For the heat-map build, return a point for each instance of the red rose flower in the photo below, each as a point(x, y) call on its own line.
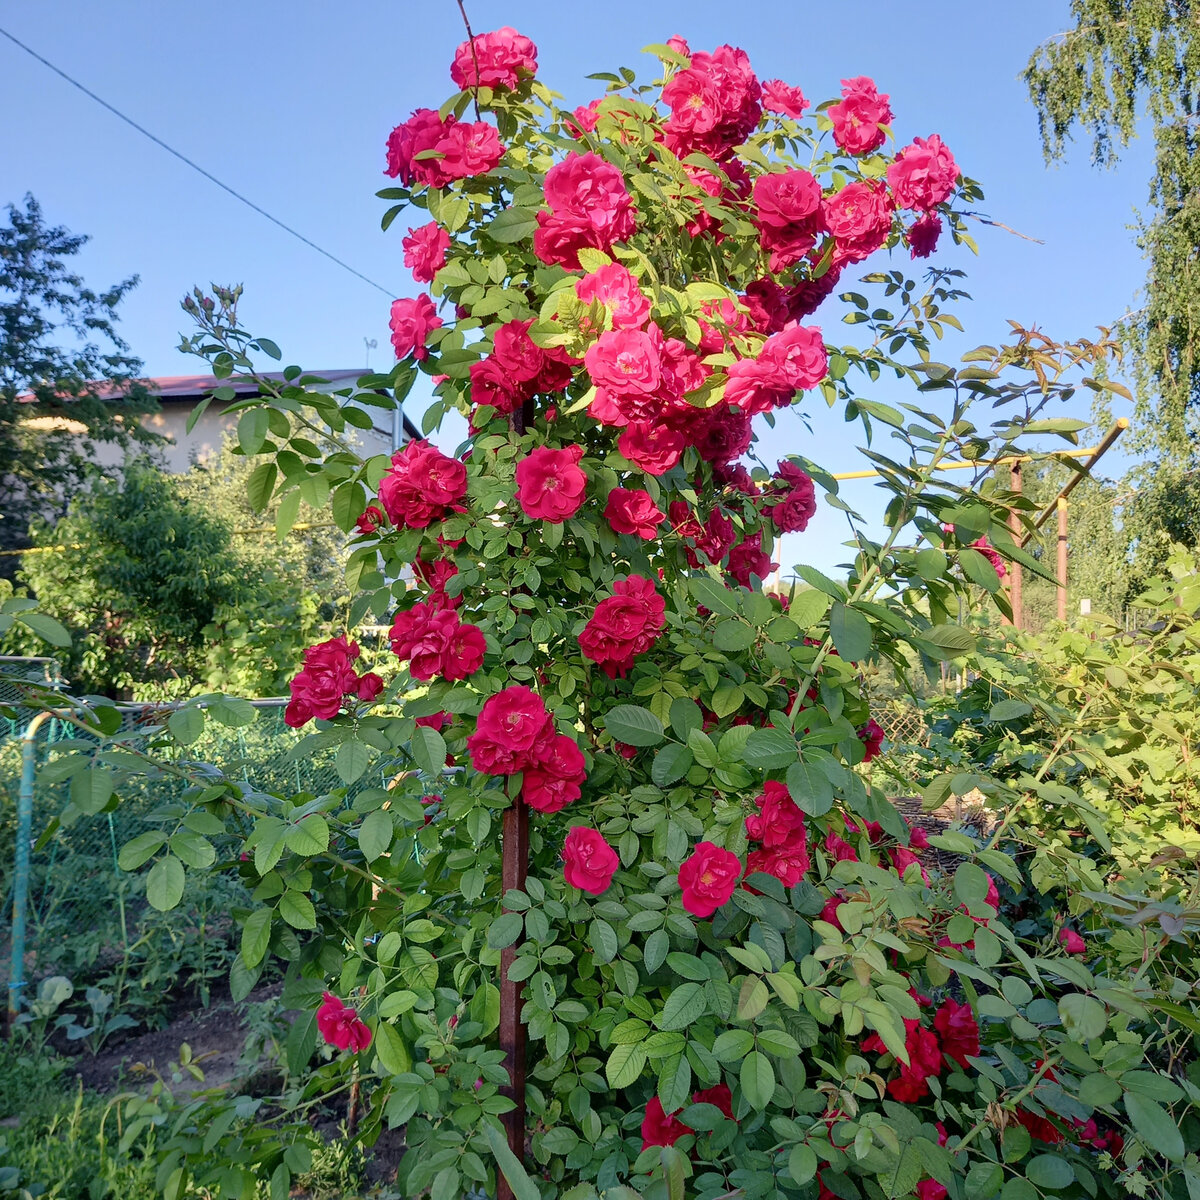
point(425, 251)
point(411, 323)
point(872, 737)
point(551, 486)
point(554, 779)
point(724, 435)
point(624, 625)
point(707, 878)
point(805, 297)
point(959, 1031)
point(322, 683)
point(589, 862)
point(924, 174)
point(584, 118)
point(985, 548)
point(719, 1096)
point(923, 235)
point(797, 505)
point(1071, 942)
point(778, 822)
point(678, 44)
point(435, 642)
point(787, 863)
point(421, 485)
point(747, 560)
point(658, 1129)
point(371, 519)
point(630, 510)
point(925, 1062)
point(508, 731)
point(652, 448)
point(340, 1026)
point(857, 118)
point(617, 290)
point(779, 97)
point(370, 686)
point(504, 58)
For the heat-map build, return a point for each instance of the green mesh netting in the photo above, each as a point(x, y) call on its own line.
point(83, 911)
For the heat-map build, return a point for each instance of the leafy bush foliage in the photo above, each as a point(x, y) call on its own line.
point(742, 973)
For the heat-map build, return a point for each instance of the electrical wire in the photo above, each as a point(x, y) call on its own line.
point(195, 166)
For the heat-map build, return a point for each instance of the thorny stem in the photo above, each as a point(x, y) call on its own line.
point(462, 8)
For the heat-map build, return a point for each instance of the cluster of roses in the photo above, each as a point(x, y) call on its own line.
point(793, 499)
point(515, 733)
point(518, 369)
point(590, 207)
point(778, 826)
point(325, 680)
point(422, 485)
point(954, 1038)
point(433, 150)
point(623, 625)
point(435, 642)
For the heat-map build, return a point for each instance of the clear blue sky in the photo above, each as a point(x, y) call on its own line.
point(291, 105)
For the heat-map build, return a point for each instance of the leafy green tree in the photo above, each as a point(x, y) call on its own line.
point(170, 586)
point(137, 572)
point(61, 361)
point(1121, 63)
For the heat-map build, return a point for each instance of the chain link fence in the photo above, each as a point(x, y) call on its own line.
point(83, 913)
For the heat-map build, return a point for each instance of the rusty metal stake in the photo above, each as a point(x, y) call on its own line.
point(1063, 505)
point(514, 865)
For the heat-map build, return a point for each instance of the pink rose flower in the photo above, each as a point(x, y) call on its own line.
point(554, 780)
point(461, 149)
point(779, 97)
point(652, 448)
point(626, 361)
point(860, 219)
point(617, 289)
point(624, 625)
point(857, 118)
point(341, 1026)
point(422, 485)
point(924, 174)
point(590, 206)
point(551, 486)
point(504, 59)
point(425, 251)
point(589, 862)
point(632, 511)
point(715, 103)
point(412, 321)
point(1071, 942)
point(708, 877)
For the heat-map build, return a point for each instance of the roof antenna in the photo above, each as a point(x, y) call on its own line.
point(370, 344)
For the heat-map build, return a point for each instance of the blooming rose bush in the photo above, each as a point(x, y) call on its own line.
point(741, 972)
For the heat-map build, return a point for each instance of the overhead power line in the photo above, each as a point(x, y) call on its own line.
point(195, 166)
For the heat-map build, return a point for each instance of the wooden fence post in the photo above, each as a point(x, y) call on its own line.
point(1062, 558)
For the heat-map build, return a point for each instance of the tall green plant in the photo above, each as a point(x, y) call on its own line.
point(738, 974)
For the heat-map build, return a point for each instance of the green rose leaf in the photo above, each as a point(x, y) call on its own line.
point(633, 725)
point(769, 749)
point(758, 1079)
point(851, 633)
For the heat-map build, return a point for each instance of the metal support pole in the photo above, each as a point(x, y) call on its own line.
point(514, 863)
point(16, 971)
point(1014, 568)
point(1063, 505)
